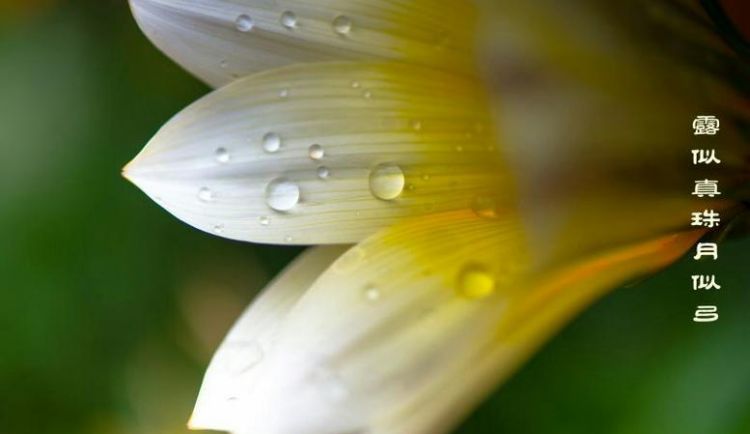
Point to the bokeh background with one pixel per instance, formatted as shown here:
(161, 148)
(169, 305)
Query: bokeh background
(110, 308)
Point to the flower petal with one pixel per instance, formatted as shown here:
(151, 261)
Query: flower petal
(219, 40)
(406, 332)
(231, 374)
(327, 162)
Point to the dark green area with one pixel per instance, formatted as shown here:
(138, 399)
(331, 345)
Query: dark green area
(96, 281)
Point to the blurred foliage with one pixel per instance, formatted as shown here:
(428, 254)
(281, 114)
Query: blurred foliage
(110, 308)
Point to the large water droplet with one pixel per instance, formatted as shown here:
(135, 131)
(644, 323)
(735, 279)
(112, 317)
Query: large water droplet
(289, 19)
(242, 356)
(271, 143)
(475, 282)
(316, 152)
(282, 194)
(342, 25)
(205, 194)
(244, 23)
(387, 181)
(222, 155)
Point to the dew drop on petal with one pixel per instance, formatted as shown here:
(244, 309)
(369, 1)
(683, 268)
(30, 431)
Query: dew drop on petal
(242, 356)
(244, 23)
(284, 93)
(485, 207)
(219, 229)
(323, 172)
(222, 155)
(356, 85)
(271, 143)
(264, 220)
(205, 194)
(475, 282)
(224, 64)
(416, 125)
(282, 194)
(387, 181)
(367, 94)
(316, 152)
(288, 239)
(372, 293)
(342, 25)
(289, 19)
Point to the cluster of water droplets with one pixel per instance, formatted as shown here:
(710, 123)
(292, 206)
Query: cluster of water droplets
(341, 25)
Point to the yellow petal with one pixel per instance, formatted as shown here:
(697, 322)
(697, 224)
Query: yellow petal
(234, 368)
(348, 149)
(219, 40)
(407, 331)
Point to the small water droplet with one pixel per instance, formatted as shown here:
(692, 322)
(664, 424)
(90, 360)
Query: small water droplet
(349, 261)
(244, 23)
(288, 239)
(475, 282)
(372, 293)
(367, 94)
(329, 383)
(284, 93)
(271, 143)
(289, 20)
(485, 207)
(459, 148)
(425, 177)
(242, 356)
(219, 229)
(316, 152)
(356, 85)
(411, 187)
(264, 220)
(282, 194)
(224, 64)
(387, 181)
(416, 125)
(342, 25)
(323, 172)
(205, 194)
(222, 155)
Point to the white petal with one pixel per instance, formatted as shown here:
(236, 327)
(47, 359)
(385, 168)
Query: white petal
(234, 368)
(219, 40)
(247, 164)
(406, 332)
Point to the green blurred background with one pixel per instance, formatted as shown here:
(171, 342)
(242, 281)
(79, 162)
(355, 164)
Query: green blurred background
(110, 308)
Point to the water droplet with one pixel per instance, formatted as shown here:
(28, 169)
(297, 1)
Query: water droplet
(316, 152)
(284, 93)
(205, 194)
(219, 229)
(475, 282)
(425, 177)
(222, 155)
(282, 194)
(356, 85)
(264, 220)
(387, 181)
(242, 356)
(459, 148)
(372, 294)
(288, 239)
(289, 20)
(244, 23)
(411, 187)
(485, 207)
(323, 172)
(367, 94)
(349, 261)
(224, 64)
(416, 125)
(271, 143)
(342, 25)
